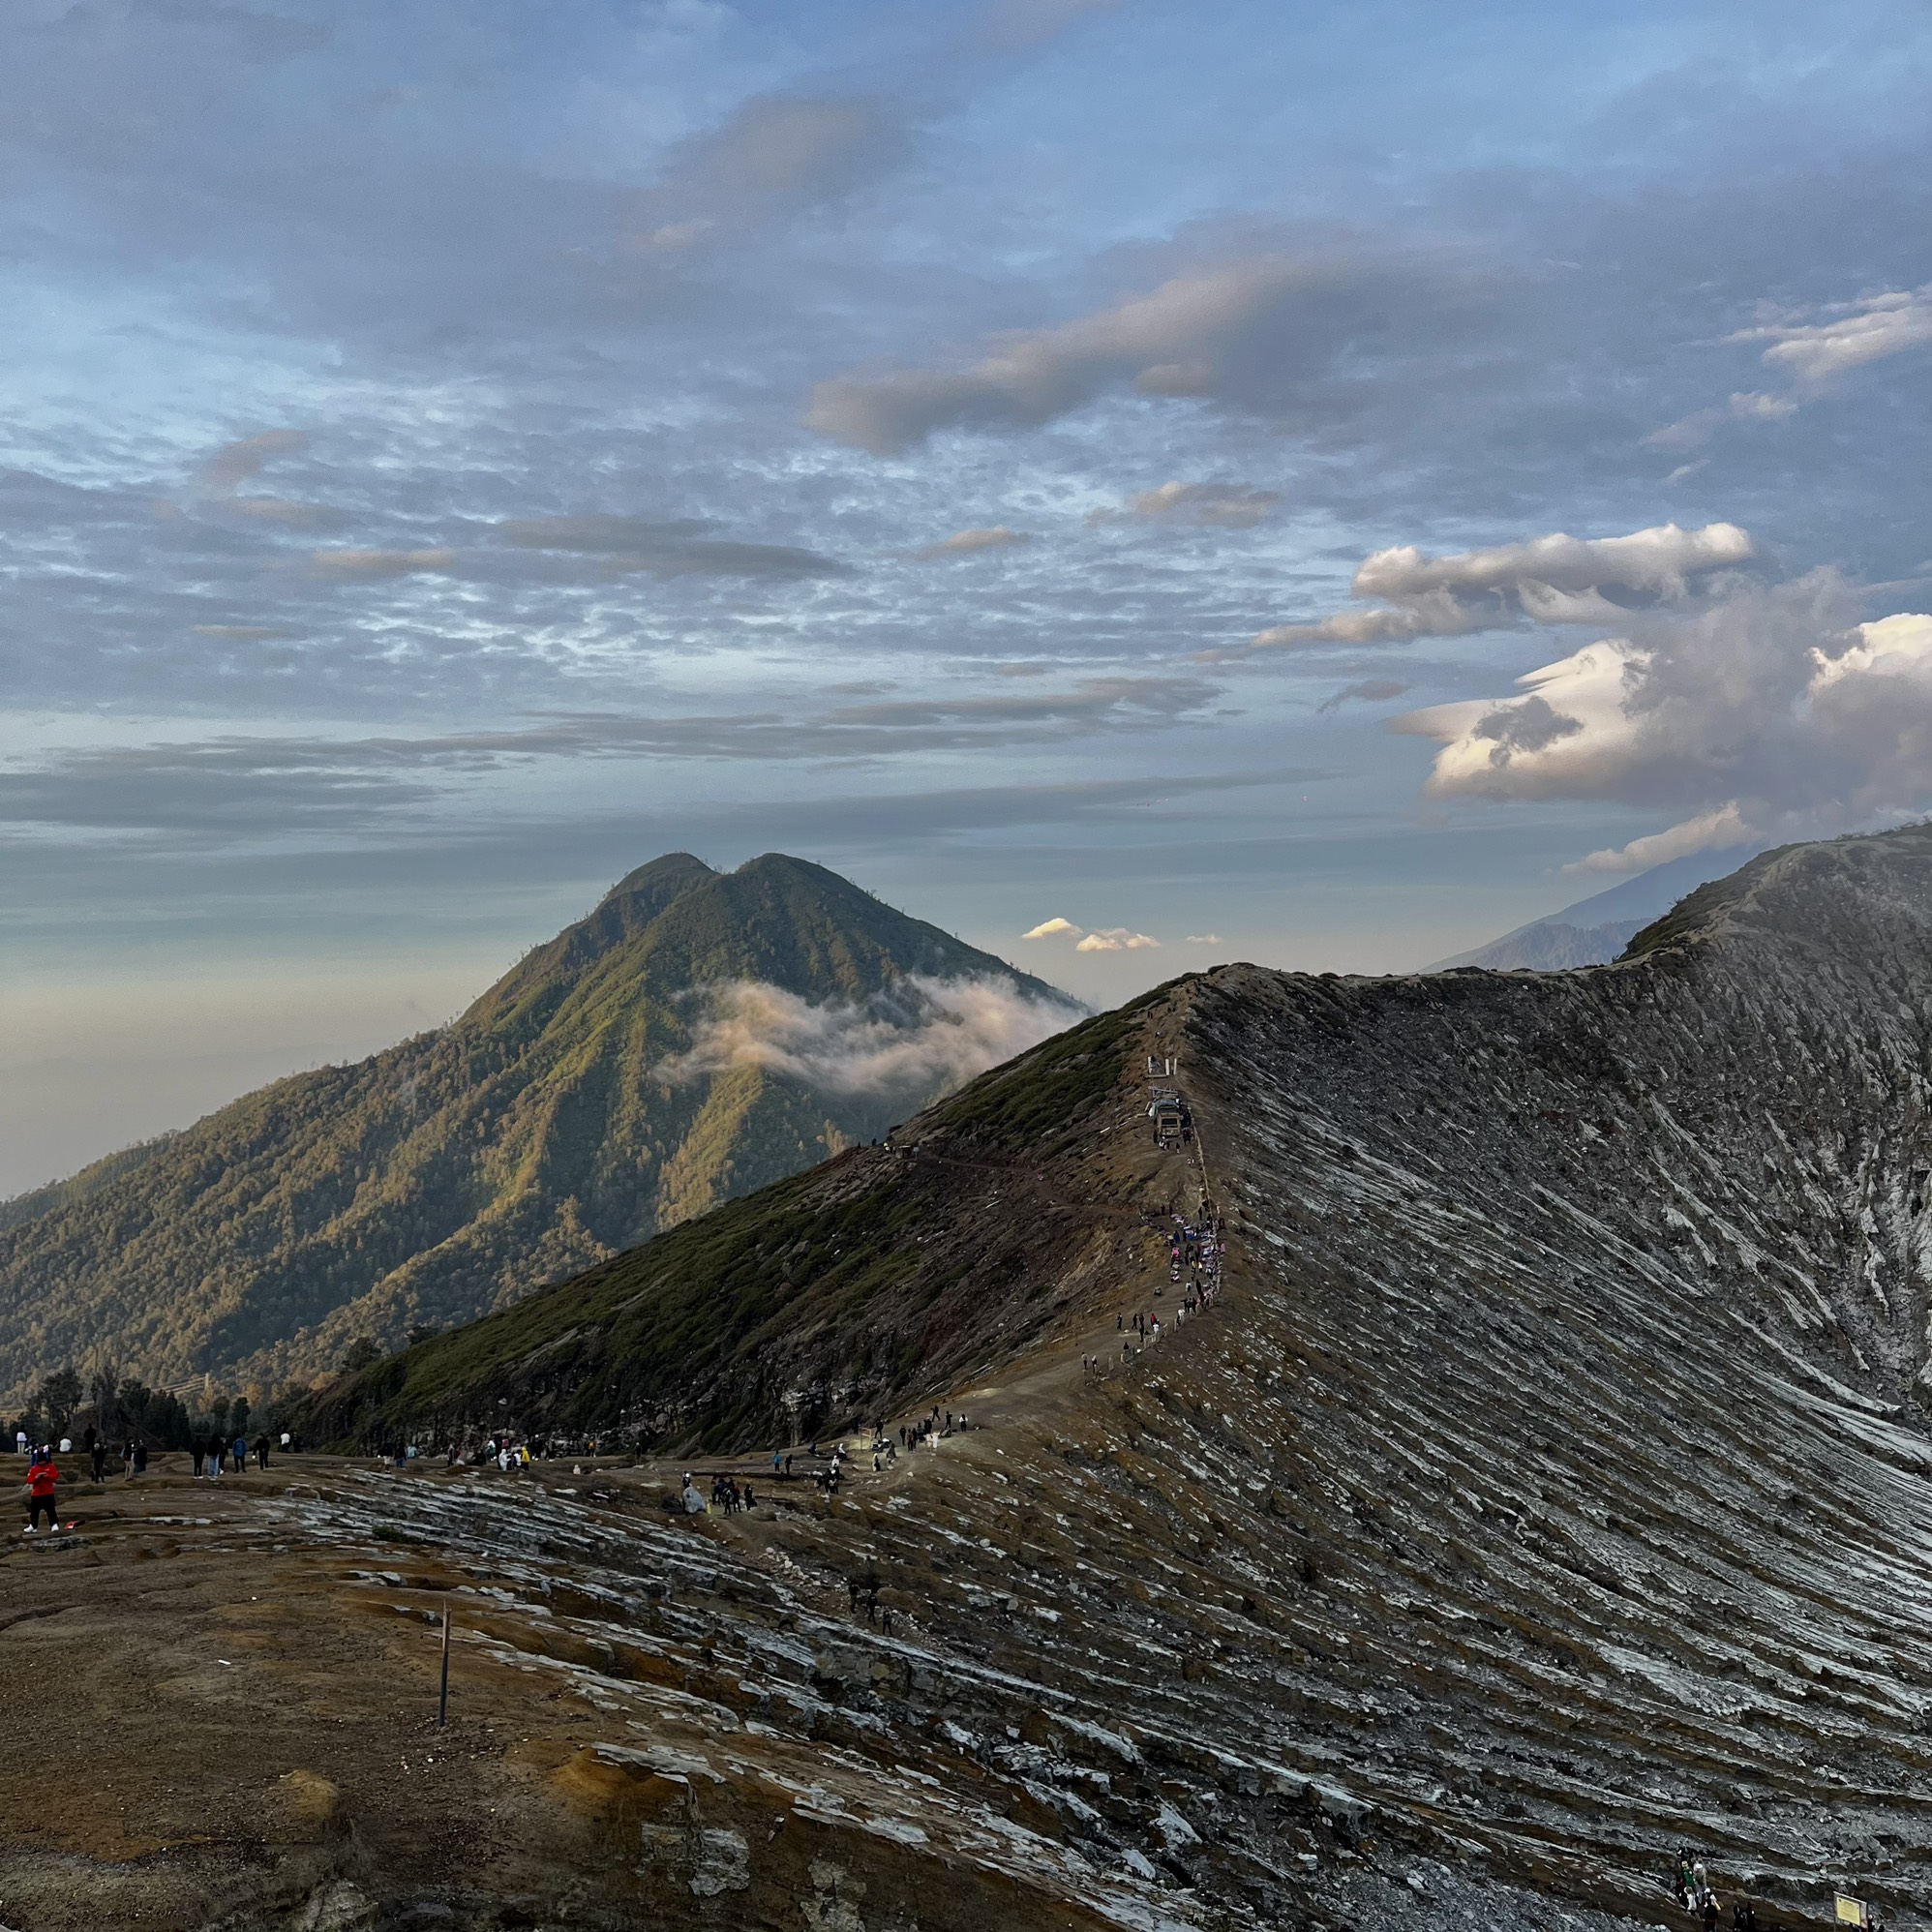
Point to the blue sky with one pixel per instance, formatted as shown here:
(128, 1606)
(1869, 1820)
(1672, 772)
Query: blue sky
(452, 452)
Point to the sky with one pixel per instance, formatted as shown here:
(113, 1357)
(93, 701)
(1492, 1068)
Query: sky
(1321, 484)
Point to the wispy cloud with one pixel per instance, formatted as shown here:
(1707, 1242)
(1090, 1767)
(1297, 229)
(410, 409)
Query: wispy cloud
(1116, 939)
(1366, 691)
(359, 564)
(1812, 355)
(1557, 579)
(1235, 506)
(1253, 332)
(970, 542)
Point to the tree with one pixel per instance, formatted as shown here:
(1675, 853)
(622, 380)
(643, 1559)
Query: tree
(57, 1398)
(362, 1354)
(103, 1390)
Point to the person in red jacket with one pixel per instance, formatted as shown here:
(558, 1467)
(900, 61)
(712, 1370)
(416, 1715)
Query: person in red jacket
(42, 1479)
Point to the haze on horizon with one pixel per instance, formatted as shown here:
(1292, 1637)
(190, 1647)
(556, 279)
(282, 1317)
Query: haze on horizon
(1342, 481)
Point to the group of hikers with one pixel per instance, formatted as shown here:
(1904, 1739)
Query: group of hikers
(214, 1455)
(1193, 1253)
(1691, 1887)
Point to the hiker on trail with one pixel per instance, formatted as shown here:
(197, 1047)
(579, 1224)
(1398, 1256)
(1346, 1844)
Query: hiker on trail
(1743, 1916)
(97, 1450)
(240, 1452)
(42, 1479)
(198, 1449)
(140, 1455)
(262, 1451)
(1710, 1910)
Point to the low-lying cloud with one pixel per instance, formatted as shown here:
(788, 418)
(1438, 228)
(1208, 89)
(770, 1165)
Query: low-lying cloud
(1116, 939)
(922, 1037)
(1555, 578)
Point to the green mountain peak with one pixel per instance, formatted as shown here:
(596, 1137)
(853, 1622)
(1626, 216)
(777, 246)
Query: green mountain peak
(697, 1034)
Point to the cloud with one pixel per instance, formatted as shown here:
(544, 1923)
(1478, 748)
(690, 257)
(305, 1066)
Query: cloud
(1555, 578)
(1368, 691)
(1268, 333)
(1203, 939)
(282, 510)
(260, 785)
(773, 157)
(369, 565)
(235, 462)
(1054, 928)
(1866, 331)
(920, 1035)
(1235, 506)
(1715, 831)
(665, 549)
(1770, 710)
(1115, 939)
(1018, 25)
(965, 543)
(1812, 355)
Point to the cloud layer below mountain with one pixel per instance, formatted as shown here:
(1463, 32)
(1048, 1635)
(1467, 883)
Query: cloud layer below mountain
(931, 1035)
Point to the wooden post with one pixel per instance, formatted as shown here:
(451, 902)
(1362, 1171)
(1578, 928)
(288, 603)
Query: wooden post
(442, 1701)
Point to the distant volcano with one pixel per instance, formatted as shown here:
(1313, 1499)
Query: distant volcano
(699, 1035)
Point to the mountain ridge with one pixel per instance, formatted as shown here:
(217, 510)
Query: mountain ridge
(1593, 931)
(604, 1087)
(1541, 1488)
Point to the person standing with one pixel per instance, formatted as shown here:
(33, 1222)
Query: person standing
(239, 1450)
(43, 1478)
(198, 1449)
(97, 1450)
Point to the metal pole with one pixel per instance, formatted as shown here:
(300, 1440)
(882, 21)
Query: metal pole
(442, 1701)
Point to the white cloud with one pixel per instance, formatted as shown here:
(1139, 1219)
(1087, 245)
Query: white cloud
(964, 543)
(1054, 928)
(1811, 355)
(1769, 709)
(1868, 330)
(1235, 506)
(1204, 939)
(923, 1035)
(1115, 939)
(1557, 579)
(1715, 831)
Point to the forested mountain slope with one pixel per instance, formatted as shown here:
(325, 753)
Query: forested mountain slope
(698, 1034)
(1546, 1488)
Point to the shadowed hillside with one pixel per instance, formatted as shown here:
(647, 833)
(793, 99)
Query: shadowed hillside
(697, 1036)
